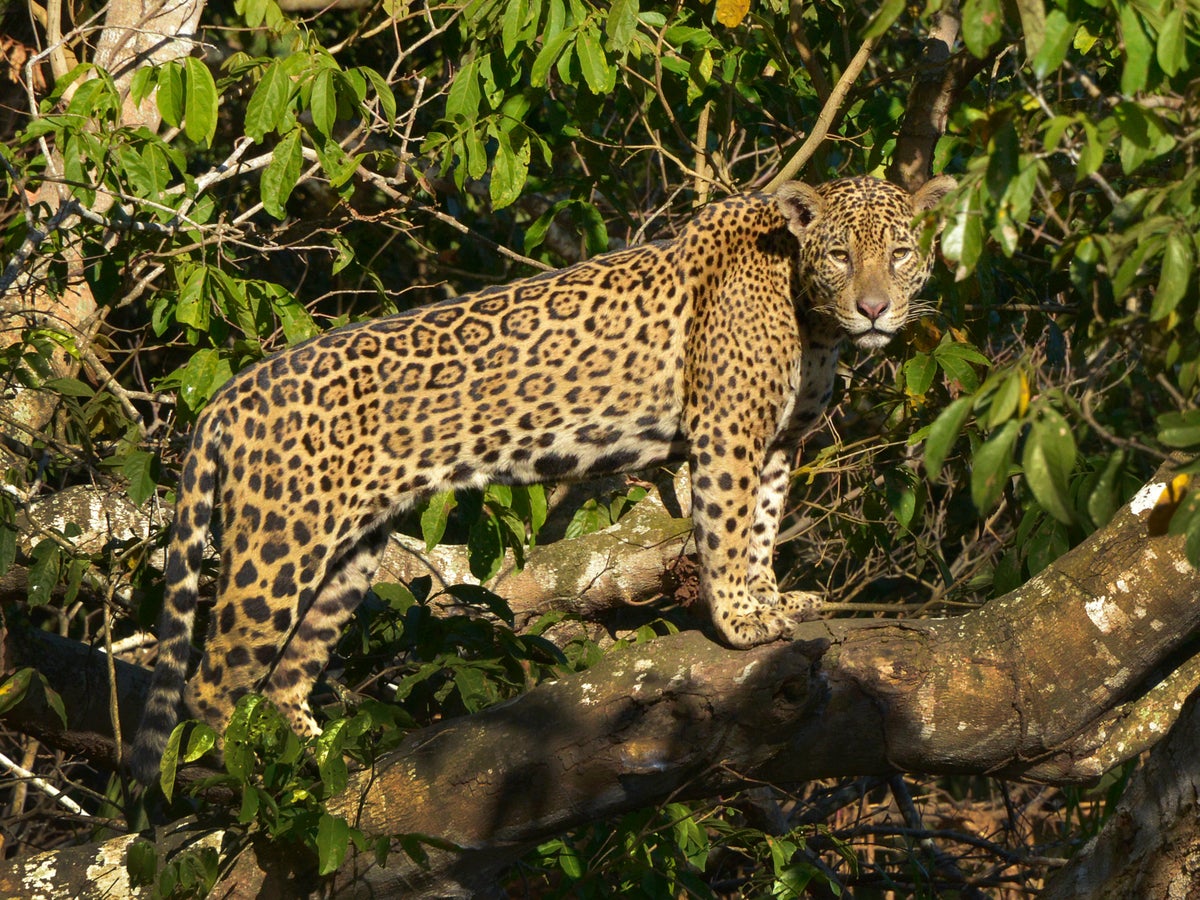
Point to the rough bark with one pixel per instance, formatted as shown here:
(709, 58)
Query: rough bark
(940, 78)
(590, 576)
(1150, 847)
(1083, 667)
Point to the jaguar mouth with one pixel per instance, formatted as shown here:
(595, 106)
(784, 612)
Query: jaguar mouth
(872, 338)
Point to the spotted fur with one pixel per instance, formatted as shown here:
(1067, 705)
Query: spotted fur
(718, 347)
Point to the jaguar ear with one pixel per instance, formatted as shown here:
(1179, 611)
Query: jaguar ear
(931, 193)
(800, 204)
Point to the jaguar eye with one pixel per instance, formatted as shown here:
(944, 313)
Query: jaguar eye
(840, 256)
(900, 254)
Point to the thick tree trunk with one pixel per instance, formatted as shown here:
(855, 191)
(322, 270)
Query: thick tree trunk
(1058, 681)
(940, 79)
(1150, 847)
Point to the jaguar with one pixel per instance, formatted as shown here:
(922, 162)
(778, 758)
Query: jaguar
(717, 347)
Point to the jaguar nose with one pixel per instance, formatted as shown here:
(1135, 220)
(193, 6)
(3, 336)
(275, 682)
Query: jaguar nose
(873, 306)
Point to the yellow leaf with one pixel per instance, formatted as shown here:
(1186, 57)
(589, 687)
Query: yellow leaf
(1174, 491)
(924, 335)
(731, 12)
(1023, 396)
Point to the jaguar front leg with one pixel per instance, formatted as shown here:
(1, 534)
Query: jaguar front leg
(768, 511)
(736, 580)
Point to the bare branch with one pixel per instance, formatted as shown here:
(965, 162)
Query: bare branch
(828, 113)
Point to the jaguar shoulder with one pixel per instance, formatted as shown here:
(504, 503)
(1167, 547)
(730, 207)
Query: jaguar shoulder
(718, 347)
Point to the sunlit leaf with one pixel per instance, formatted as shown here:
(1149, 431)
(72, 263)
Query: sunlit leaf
(990, 466)
(201, 102)
(282, 173)
(943, 433)
(435, 516)
(1180, 430)
(982, 24)
(1048, 459)
(1176, 273)
(269, 103)
(1138, 51)
(731, 12)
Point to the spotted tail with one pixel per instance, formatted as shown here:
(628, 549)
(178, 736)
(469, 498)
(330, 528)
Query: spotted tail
(193, 515)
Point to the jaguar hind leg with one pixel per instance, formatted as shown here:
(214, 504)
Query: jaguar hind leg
(313, 638)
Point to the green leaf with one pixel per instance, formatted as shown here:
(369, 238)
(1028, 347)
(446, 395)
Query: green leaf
(8, 545)
(1138, 51)
(902, 501)
(43, 572)
(338, 165)
(200, 377)
(982, 24)
(485, 547)
(699, 74)
(943, 433)
(192, 308)
(1048, 459)
(323, 102)
(169, 97)
(141, 862)
(331, 763)
(599, 75)
(535, 508)
(435, 516)
(1175, 275)
(515, 12)
(383, 90)
(138, 468)
(268, 105)
(990, 467)
(1059, 33)
(251, 799)
(510, 169)
(918, 374)
(957, 368)
(1171, 50)
(621, 25)
(201, 102)
(70, 387)
(14, 688)
(962, 241)
(1180, 429)
(170, 761)
(1104, 497)
(282, 173)
(595, 232)
(1033, 24)
(949, 348)
(201, 740)
(465, 94)
(889, 12)
(551, 49)
(1005, 400)
(144, 80)
(53, 698)
(255, 12)
(1091, 154)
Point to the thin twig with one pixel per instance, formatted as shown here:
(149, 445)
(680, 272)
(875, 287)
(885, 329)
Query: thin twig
(41, 784)
(828, 113)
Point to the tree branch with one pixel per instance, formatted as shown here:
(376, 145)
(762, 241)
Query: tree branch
(1006, 690)
(828, 113)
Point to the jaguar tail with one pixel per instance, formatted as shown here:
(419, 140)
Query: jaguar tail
(185, 551)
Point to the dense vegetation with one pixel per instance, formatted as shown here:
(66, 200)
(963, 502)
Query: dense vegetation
(165, 225)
